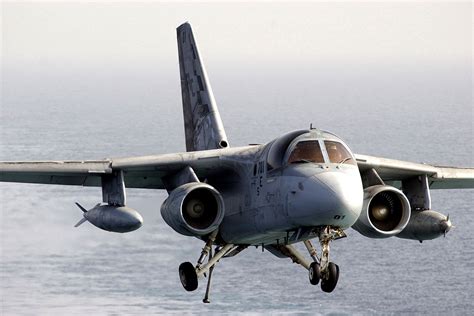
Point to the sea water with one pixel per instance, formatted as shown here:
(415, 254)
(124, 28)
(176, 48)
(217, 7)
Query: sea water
(420, 114)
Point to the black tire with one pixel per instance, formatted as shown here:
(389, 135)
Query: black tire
(314, 273)
(330, 284)
(188, 276)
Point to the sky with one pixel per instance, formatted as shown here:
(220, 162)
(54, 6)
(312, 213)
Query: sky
(314, 61)
(59, 34)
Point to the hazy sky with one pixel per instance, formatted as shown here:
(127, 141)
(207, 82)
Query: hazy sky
(81, 34)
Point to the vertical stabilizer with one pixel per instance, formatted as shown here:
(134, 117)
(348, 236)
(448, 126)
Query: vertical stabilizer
(202, 122)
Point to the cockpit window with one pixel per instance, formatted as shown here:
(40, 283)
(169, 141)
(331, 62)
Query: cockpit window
(306, 151)
(338, 153)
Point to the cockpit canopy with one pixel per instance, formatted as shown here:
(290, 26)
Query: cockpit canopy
(306, 151)
(313, 146)
(310, 151)
(338, 153)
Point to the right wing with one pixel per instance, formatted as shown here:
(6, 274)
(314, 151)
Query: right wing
(144, 172)
(397, 170)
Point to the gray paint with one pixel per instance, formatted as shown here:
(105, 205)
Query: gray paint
(202, 122)
(183, 176)
(417, 190)
(118, 219)
(113, 188)
(426, 225)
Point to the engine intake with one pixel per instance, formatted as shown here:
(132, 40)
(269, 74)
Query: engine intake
(193, 209)
(385, 213)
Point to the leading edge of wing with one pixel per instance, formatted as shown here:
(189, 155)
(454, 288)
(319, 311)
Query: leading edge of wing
(140, 172)
(148, 171)
(440, 177)
(165, 162)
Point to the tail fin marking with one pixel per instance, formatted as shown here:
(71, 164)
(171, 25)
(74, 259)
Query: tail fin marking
(202, 122)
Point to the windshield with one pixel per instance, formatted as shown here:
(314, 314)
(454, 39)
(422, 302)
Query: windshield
(306, 151)
(338, 153)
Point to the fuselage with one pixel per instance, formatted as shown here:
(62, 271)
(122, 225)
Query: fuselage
(292, 185)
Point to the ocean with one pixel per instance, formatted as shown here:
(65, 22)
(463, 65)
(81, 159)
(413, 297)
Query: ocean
(420, 113)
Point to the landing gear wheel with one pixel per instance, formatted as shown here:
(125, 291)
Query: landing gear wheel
(314, 273)
(328, 285)
(188, 276)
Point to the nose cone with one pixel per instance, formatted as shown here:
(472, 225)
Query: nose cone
(343, 191)
(127, 219)
(329, 198)
(134, 220)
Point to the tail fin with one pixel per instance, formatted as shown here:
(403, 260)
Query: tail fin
(202, 122)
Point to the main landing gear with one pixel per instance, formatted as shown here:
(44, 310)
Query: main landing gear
(321, 269)
(189, 274)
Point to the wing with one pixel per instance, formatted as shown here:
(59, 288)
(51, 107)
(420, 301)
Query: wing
(391, 170)
(85, 173)
(140, 172)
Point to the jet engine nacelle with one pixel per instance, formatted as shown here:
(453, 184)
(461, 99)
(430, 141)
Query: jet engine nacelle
(119, 219)
(193, 209)
(426, 225)
(385, 212)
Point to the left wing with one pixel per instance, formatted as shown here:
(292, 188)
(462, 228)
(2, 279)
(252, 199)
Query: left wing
(144, 172)
(439, 177)
(85, 173)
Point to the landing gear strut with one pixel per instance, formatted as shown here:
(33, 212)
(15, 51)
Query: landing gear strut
(208, 287)
(188, 274)
(321, 269)
(329, 271)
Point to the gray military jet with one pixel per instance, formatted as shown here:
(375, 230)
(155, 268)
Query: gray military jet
(304, 185)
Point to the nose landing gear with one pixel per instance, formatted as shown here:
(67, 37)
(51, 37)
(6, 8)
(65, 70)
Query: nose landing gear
(321, 268)
(329, 270)
(329, 283)
(314, 273)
